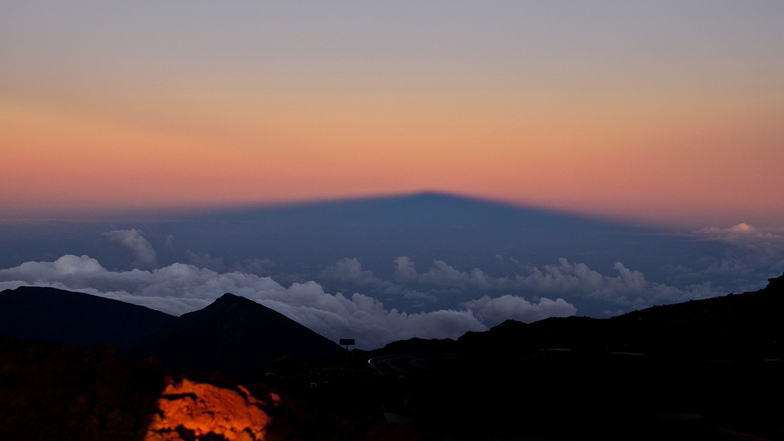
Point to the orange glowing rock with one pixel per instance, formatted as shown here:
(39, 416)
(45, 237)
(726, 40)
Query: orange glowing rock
(204, 408)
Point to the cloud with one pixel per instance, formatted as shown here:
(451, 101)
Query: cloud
(132, 239)
(256, 266)
(169, 245)
(752, 256)
(517, 308)
(350, 271)
(409, 294)
(180, 288)
(766, 240)
(205, 261)
(405, 270)
(628, 287)
(443, 275)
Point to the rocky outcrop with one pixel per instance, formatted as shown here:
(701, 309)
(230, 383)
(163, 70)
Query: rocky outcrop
(205, 409)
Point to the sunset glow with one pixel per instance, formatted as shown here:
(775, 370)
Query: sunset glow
(659, 114)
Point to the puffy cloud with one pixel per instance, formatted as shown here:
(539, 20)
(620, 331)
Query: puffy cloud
(443, 275)
(180, 288)
(752, 256)
(743, 228)
(134, 240)
(205, 261)
(350, 271)
(405, 270)
(513, 307)
(629, 287)
(766, 240)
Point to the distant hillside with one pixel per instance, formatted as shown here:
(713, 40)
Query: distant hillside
(236, 336)
(233, 335)
(55, 315)
(736, 326)
(700, 370)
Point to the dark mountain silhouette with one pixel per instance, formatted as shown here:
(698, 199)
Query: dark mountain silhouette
(233, 335)
(706, 369)
(237, 337)
(36, 313)
(736, 326)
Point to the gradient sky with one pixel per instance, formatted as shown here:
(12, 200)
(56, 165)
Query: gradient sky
(662, 112)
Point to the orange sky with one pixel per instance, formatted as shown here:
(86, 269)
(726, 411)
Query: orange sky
(621, 124)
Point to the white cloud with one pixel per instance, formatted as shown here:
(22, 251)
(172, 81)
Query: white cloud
(443, 275)
(350, 271)
(405, 270)
(134, 240)
(628, 287)
(766, 240)
(517, 308)
(743, 228)
(180, 288)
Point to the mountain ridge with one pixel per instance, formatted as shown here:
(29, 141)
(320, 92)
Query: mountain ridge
(735, 326)
(236, 336)
(51, 314)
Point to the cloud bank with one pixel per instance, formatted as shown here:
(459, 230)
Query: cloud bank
(628, 288)
(183, 287)
(743, 235)
(180, 288)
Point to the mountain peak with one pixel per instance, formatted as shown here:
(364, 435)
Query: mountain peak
(231, 299)
(236, 336)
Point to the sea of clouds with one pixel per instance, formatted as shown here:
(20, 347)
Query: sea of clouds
(184, 287)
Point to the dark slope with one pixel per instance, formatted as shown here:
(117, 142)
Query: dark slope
(50, 314)
(738, 327)
(236, 336)
(700, 370)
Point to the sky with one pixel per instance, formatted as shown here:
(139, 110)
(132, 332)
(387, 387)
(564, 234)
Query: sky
(662, 113)
(565, 158)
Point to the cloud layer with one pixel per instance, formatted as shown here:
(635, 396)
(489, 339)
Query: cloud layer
(628, 288)
(743, 235)
(180, 288)
(468, 300)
